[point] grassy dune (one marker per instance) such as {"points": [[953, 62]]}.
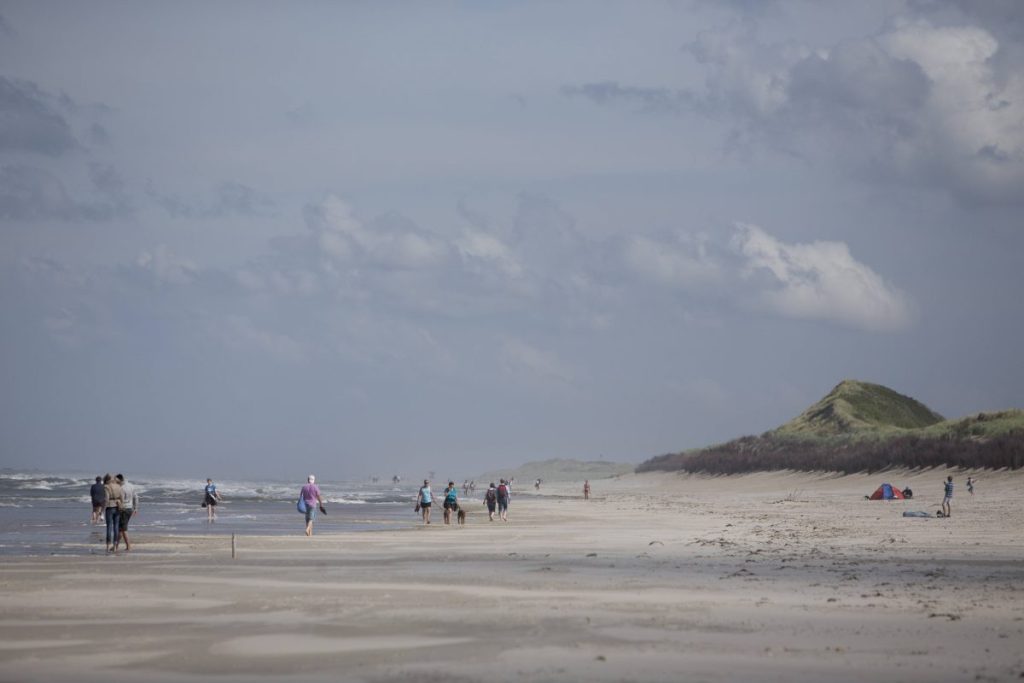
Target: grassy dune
{"points": [[862, 427]]}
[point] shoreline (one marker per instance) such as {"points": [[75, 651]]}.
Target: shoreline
{"points": [[661, 577]]}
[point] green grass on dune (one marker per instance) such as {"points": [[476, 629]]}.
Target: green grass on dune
{"points": [[854, 406], [859, 427], [981, 425]]}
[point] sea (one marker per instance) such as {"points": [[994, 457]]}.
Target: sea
{"points": [[49, 514]]}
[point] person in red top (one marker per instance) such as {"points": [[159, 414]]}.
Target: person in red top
{"points": [[311, 495]]}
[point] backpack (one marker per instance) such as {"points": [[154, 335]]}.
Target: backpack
{"points": [[491, 495], [503, 491]]}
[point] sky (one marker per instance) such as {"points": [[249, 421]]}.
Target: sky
{"points": [[366, 238]]}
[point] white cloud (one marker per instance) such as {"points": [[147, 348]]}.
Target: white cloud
{"points": [[685, 263], [819, 281], [921, 104], [481, 250], [341, 236], [973, 123]]}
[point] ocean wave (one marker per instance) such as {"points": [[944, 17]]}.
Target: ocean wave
{"points": [[22, 487]]}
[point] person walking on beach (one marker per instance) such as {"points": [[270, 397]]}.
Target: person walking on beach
{"points": [[451, 502], [970, 485], [425, 498], [128, 508], [491, 501], [586, 489], [947, 495], [311, 497], [99, 497], [503, 498], [210, 500], [113, 500]]}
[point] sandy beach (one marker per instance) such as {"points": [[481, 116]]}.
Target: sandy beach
{"points": [[660, 577]]}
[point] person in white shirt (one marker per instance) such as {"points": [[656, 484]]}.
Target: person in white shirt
{"points": [[128, 508]]}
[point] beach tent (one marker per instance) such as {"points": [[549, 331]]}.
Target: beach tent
{"points": [[886, 492]]}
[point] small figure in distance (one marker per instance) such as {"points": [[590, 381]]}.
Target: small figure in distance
{"points": [[586, 489], [947, 495], [311, 496], [536, 484], [491, 501], [451, 501], [907, 493], [210, 500], [970, 485], [99, 497], [425, 500]]}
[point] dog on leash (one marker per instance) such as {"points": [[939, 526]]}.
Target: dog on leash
{"points": [[461, 515]]}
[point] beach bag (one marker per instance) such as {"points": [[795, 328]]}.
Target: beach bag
{"points": [[301, 505]]}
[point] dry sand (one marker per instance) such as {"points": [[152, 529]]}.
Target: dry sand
{"points": [[662, 577]]}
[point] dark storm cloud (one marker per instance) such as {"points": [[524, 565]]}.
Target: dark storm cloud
{"points": [[29, 121], [28, 193]]}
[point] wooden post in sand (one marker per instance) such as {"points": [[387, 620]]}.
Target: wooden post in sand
{"points": [[232, 546]]}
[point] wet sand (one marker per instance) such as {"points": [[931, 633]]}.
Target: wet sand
{"points": [[661, 577]]}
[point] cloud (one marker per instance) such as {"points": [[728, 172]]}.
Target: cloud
{"points": [[389, 242], [240, 333], [652, 100], [163, 267], [483, 252], [28, 193], [818, 281], [683, 263], [917, 103], [5, 28], [228, 198], [533, 364], [30, 121]]}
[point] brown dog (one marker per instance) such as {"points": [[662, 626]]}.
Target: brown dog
{"points": [[461, 516]]}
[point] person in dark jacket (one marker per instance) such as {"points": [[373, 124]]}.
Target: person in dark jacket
{"points": [[98, 497]]}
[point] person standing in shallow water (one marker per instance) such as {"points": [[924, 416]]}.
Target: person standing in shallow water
{"points": [[426, 498], [128, 508], [210, 500], [311, 496], [451, 502], [586, 489], [113, 501], [99, 498]]}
